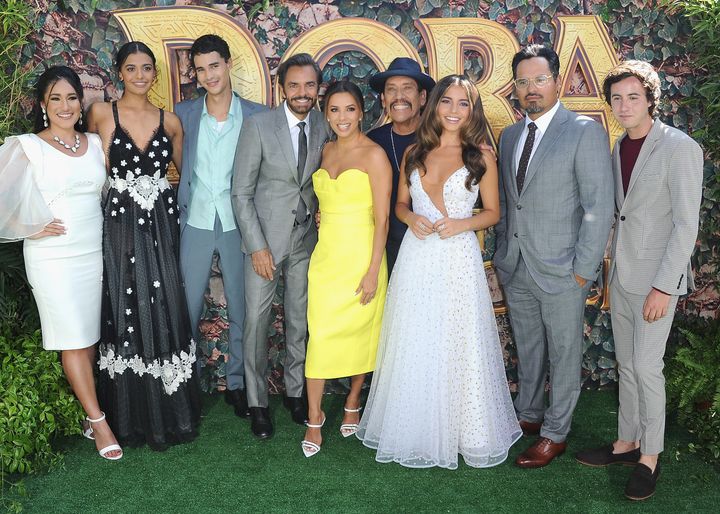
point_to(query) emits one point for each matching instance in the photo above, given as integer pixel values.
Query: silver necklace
(73, 148)
(392, 142)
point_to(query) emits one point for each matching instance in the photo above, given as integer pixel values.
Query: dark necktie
(301, 212)
(525, 156)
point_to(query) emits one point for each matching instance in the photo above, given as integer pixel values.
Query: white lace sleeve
(23, 211)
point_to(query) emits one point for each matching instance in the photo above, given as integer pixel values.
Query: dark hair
(642, 71)
(543, 51)
(298, 60)
(44, 86)
(472, 134)
(128, 49)
(344, 86)
(208, 44)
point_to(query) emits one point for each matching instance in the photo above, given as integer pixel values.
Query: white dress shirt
(542, 124)
(294, 129)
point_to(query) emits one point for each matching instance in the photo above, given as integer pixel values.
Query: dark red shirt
(629, 151)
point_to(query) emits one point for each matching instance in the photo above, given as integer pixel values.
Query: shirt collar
(293, 120)
(543, 121)
(232, 112)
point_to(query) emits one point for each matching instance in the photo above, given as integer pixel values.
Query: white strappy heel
(348, 429)
(308, 447)
(113, 447)
(87, 430)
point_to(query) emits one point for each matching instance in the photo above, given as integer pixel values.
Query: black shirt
(385, 138)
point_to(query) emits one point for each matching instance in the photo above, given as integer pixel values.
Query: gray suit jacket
(189, 112)
(657, 221)
(561, 220)
(266, 189)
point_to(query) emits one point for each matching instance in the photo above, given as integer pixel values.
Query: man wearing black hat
(403, 91)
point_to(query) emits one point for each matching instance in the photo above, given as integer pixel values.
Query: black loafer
(641, 484)
(604, 456)
(238, 399)
(260, 422)
(297, 408)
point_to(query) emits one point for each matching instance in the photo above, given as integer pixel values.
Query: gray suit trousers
(639, 350)
(259, 294)
(196, 251)
(546, 328)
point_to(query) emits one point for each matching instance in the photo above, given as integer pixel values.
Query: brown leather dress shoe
(540, 454)
(530, 428)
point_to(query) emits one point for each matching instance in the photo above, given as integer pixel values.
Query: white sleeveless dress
(440, 388)
(65, 271)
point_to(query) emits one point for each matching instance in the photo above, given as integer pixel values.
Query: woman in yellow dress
(348, 277)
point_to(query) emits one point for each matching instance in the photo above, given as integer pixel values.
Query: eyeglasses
(539, 81)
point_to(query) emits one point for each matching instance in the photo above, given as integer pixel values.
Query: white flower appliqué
(144, 189)
(172, 372)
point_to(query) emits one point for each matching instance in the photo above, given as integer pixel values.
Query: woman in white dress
(439, 388)
(50, 186)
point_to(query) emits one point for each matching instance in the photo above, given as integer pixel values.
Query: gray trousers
(196, 251)
(639, 350)
(548, 329)
(259, 294)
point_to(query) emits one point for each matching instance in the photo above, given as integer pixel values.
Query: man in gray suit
(211, 124)
(556, 212)
(274, 201)
(658, 189)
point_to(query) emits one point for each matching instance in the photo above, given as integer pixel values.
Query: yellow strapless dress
(343, 333)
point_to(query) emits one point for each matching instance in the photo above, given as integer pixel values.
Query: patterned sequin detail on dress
(147, 384)
(439, 388)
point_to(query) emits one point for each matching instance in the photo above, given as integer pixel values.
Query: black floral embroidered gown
(147, 384)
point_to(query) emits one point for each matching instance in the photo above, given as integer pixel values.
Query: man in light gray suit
(658, 189)
(556, 211)
(211, 124)
(274, 203)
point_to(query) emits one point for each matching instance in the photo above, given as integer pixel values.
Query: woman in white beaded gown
(50, 185)
(439, 388)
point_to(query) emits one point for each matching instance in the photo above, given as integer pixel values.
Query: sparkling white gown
(439, 388)
(65, 271)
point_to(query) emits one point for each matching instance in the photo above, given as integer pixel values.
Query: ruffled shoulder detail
(23, 210)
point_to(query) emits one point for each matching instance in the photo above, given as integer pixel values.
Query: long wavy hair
(472, 133)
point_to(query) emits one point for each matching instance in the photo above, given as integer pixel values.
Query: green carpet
(227, 470)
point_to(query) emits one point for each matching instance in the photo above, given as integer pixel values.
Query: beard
(534, 107)
(301, 109)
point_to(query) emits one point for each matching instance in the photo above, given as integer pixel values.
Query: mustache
(303, 98)
(400, 102)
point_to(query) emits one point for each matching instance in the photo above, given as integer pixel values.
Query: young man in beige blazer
(658, 188)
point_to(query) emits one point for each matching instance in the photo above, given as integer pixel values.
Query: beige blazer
(657, 221)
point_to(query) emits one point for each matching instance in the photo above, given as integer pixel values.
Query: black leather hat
(402, 67)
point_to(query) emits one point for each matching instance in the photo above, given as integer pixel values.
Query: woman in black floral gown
(147, 381)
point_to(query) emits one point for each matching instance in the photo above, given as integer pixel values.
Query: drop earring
(45, 121)
(80, 121)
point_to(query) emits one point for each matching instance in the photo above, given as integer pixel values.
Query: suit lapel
(513, 134)
(314, 142)
(647, 149)
(553, 133)
(193, 131)
(282, 131)
(617, 172)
